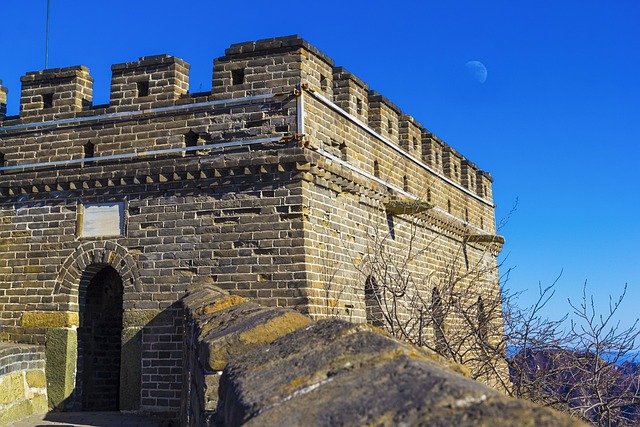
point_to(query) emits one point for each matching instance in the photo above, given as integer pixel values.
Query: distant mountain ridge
(581, 383)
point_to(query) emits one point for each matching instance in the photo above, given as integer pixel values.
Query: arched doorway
(99, 339)
(372, 300)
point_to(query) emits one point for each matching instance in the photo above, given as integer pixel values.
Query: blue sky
(557, 121)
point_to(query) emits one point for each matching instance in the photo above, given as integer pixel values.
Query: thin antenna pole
(46, 44)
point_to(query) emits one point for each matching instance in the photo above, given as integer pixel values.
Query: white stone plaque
(104, 219)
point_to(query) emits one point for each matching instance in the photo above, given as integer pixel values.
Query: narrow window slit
(438, 317)
(343, 152)
(324, 83)
(143, 88)
(237, 76)
(256, 123)
(372, 299)
(191, 140)
(88, 151)
(483, 321)
(47, 100)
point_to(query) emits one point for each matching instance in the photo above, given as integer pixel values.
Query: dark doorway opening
(99, 342)
(373, 302)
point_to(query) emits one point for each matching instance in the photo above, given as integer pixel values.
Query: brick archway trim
(95, 255)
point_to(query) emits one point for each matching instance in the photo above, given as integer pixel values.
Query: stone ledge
(52, 319)
(397, 206)
(485, 238)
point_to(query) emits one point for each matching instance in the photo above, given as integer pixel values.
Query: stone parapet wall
(399, 162)
(219, 328)
(255, 366)
(23, 387)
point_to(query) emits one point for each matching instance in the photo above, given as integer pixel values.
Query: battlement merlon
(151, 79)
(3, 101)
(56, 91)
(384, 115)
(273, 46)
(271, 66)
(351, 94)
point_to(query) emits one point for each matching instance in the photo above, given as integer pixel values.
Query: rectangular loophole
(256, 123)
(89, 152)
(324, 83)
(143, 88)
(237, 76)
(191, 140)
(47, 100)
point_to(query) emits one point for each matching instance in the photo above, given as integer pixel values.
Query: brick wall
(23, 389)
(271, 187)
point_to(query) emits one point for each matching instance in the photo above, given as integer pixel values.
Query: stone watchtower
(272, 186)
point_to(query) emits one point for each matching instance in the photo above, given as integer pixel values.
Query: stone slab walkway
(83, 419)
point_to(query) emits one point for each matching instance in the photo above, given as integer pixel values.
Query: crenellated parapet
(247, 70)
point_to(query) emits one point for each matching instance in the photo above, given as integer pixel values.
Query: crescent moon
(477, 70)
